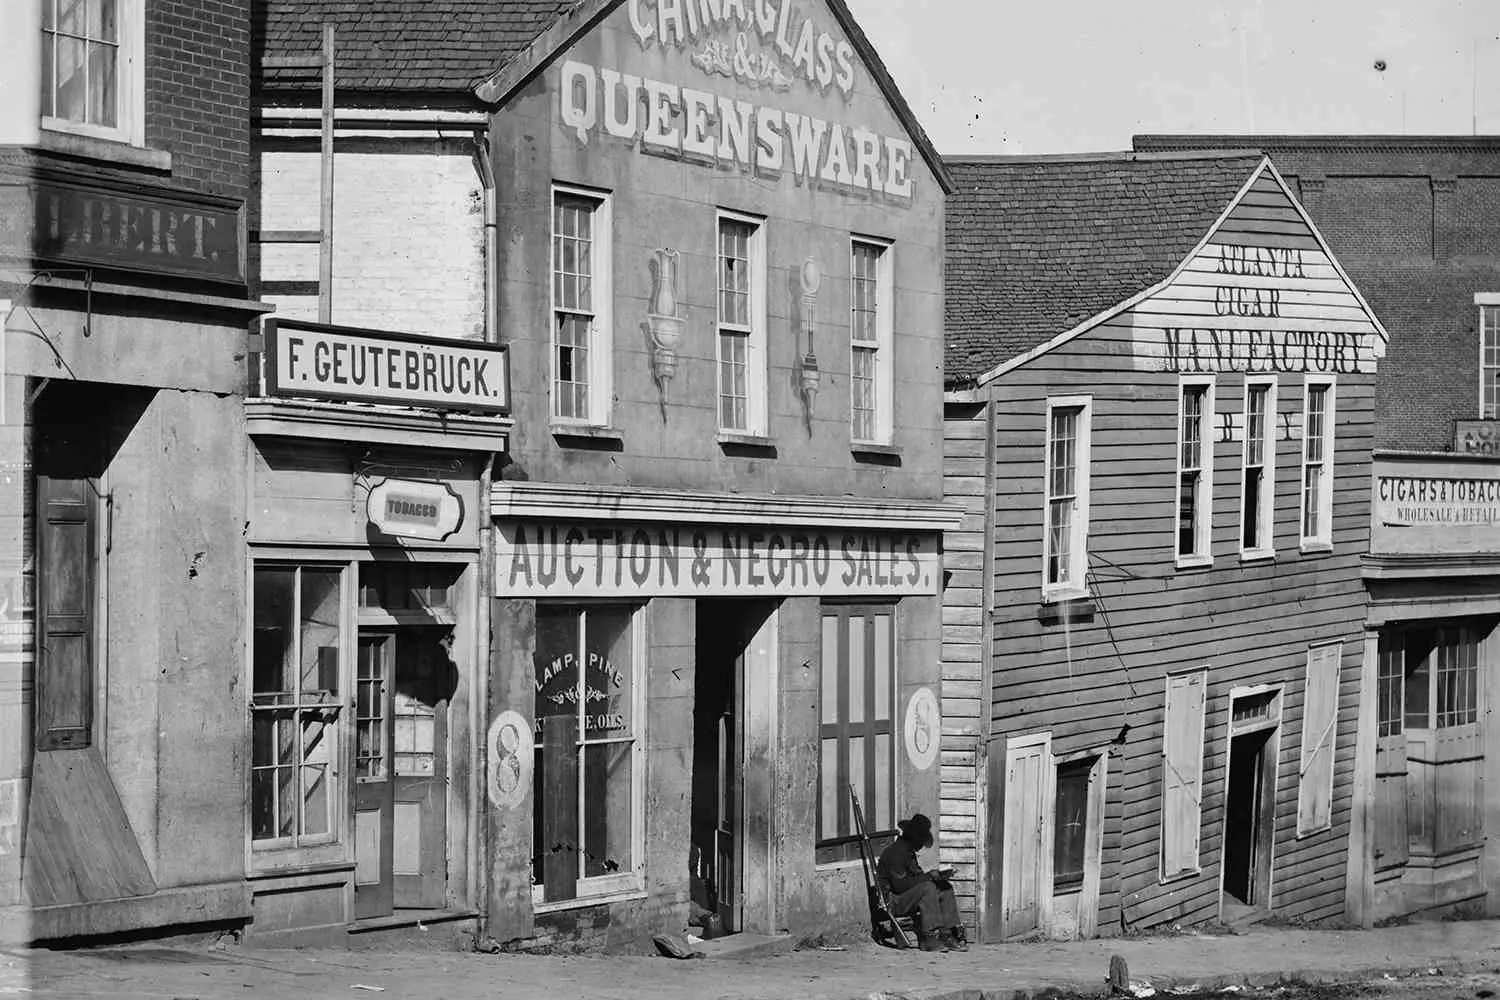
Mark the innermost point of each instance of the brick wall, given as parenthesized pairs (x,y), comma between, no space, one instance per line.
(198,90)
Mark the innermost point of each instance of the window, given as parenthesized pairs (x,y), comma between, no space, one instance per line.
(742,324)
(1489,362)
(1390,685)
(1182,774)
(90,81)
(581,338)
(871,342)
(1438,677)
(856,704)
(1317,463)
(586,817)
(1320,713)
(1258,478)
(1195,472)
(295,705)
(1070,825)
(1065,540)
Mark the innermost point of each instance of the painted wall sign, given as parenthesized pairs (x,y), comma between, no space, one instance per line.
(1285,426)
(166,233)
(580,560)
(1253,351)
(510,754)
(406,508)
(923,728)
(1477,437)
(333,362)
(604,692)
(1404,501)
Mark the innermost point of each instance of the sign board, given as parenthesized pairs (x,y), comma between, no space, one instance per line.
(1417,499)
(371,366)
(1477,437)
(406,508)
(140,230)
(549,559)
(1435,505)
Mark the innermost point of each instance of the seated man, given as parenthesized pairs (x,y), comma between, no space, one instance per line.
(927,895)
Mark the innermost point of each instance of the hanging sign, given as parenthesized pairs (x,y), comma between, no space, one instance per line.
(406,508)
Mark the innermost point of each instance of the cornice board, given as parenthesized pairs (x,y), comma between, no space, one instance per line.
(560,501)
(342,422)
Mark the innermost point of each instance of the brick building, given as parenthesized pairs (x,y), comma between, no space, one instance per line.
(124,307)
(1415,219)
(709,244)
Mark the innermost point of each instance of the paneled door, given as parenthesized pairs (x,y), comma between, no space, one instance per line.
(419,813)
(374,804)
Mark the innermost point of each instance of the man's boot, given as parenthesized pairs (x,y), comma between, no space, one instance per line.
(928,940)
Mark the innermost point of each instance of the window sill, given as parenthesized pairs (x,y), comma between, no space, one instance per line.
(587,435)
(1183,876)
(881,454)
(579,902)
(1195,562)
(1311,547)
(745,440)
(1258,556)
(1058,609)
(108,150)
(1303,834)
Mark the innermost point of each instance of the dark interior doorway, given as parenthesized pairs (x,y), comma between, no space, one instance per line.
(1248,815)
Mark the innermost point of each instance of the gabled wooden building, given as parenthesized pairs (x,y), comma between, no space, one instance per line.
(1159,404)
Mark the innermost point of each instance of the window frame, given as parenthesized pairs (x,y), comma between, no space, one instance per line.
(1076,583)
(845,845)
(754,332)
(600,364)
(336,843)
(1489,388)
(1322,540)
(130,81)
(1266,523)
(1203,526)
(883,414)
(590,890)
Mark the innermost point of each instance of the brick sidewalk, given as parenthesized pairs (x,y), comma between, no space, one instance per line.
(866,972)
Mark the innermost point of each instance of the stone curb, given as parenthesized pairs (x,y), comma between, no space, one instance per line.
(1165,985)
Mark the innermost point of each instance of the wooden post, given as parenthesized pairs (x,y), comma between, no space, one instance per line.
(325,250)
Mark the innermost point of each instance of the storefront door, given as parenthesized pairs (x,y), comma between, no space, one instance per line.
(400,803)
(718,759)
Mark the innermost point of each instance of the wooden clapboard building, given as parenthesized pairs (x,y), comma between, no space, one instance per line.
(1160,388)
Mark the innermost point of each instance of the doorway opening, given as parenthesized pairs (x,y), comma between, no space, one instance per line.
(1250,804)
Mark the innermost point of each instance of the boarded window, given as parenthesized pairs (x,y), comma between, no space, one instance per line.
(1320,712)
(857,744)
(1182,773)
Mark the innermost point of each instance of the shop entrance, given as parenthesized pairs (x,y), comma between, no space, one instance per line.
(726,631)
(1250,802)
(404,682)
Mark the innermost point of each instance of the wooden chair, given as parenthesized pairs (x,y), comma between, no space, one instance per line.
(885,927)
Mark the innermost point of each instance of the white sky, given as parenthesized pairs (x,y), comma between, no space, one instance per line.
(1054,76)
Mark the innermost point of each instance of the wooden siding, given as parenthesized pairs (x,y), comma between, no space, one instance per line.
(965,457)
(1097,682)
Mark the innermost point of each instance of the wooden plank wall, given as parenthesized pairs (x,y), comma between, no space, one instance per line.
(965,429)
(1088,681)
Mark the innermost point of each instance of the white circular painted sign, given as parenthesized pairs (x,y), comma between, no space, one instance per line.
(924,728)
(510,759)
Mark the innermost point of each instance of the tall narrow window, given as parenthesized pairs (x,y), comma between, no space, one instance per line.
(1065,539)
(1195,473)
(1070,825)
(742,325)
(580,305)
(1317,463)
(1489,362)
(295,705)
(88,66)
(1258,481)
(587,779)
(870,342)
(857,733)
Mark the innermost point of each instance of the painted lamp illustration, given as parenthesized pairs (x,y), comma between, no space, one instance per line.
(809,278)
(662,320)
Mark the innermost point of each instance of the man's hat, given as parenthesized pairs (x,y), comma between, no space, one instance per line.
(918,829)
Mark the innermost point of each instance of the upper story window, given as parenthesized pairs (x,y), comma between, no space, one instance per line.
(1489,362)
(1065,541)
(90,68)
(581,294)
(1195,472)
(1317,462)
(742,324)
(871,346)
(1258,478)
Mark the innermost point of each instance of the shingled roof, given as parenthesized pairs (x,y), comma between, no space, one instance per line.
(431,47)
(1038,245)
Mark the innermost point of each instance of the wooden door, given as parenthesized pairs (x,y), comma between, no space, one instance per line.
(373,800)
(419,814)
(726,830)
(1390,801)
(1026,885)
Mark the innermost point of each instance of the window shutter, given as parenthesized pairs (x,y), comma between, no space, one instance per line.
(65,605)
(1182,773)
(1320,713)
